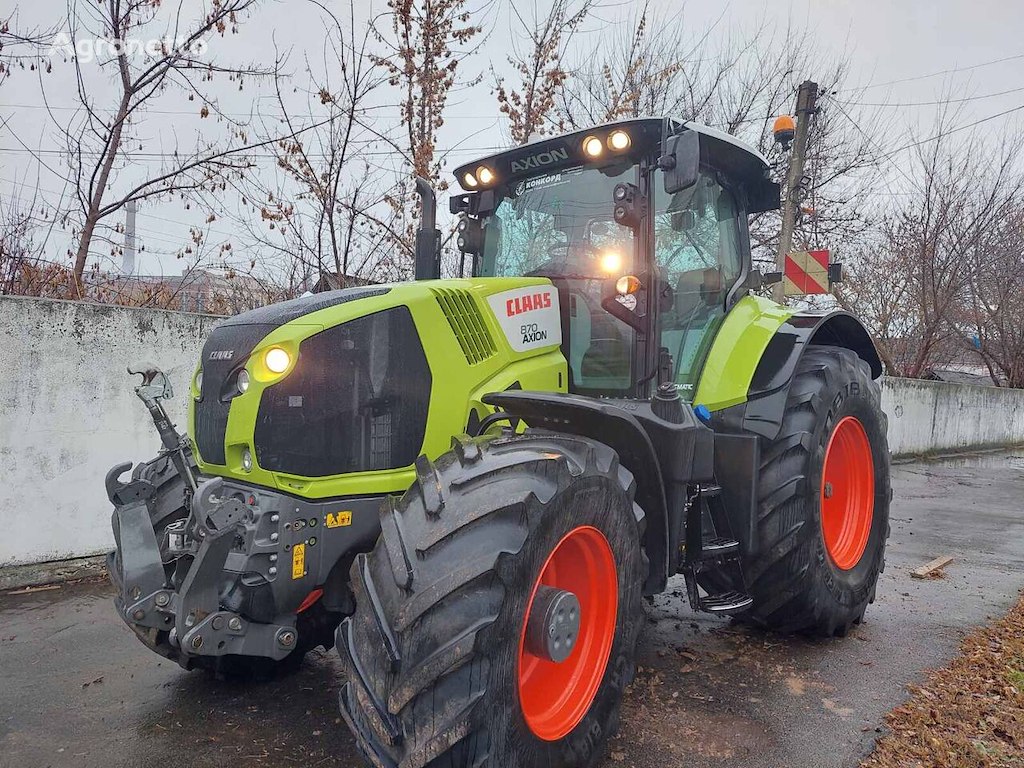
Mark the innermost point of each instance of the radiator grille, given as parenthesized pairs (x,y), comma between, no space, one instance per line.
(467,323)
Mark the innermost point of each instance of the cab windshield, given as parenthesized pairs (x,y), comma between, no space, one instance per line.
(562,226)
(559,225)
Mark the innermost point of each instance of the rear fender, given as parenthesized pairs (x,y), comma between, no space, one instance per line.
(762,412)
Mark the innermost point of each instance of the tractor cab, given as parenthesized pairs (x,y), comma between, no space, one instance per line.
(642,227)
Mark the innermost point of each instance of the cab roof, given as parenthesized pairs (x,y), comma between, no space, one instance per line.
(741,162)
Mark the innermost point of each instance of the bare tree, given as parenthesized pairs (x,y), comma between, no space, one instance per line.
(23,269)
(98,139)
(428,42)
(529,105)
(996,310)
(21,49)
(323,211)
(934,251)
(423,52)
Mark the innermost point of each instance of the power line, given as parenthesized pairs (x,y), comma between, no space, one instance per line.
(874,143)
(241,153)
(943,134)
(934,74)
(195,112)
(937,102)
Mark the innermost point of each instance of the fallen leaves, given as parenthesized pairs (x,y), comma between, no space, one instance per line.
(968,715)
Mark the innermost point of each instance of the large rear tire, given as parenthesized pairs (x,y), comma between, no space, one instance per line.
(441,672)
(824,501)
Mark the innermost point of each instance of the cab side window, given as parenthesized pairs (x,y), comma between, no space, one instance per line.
(698,250)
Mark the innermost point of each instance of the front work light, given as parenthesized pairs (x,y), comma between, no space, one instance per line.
(247,460)
(618,141)
(277,360)
(242,381)
(592,146)
(484,174)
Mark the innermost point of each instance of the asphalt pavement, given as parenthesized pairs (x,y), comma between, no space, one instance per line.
(77,688)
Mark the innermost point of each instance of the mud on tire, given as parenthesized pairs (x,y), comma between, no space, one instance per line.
(795,584)
(431,650)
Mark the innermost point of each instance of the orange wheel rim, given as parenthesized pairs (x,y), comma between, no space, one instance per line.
(847,493)
(554,697)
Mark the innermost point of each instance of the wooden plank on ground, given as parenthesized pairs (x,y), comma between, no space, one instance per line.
(932,567)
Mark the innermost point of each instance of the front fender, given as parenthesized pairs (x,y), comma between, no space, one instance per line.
(769,386)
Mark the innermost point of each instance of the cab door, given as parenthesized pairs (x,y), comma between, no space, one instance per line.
(699,252)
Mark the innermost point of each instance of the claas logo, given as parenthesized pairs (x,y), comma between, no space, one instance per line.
(528,303)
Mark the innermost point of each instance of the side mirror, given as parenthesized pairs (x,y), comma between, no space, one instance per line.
(680,160)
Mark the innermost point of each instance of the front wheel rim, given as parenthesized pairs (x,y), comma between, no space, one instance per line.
(555,697)
(847,493)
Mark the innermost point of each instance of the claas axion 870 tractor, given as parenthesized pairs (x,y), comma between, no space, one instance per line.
(469,485)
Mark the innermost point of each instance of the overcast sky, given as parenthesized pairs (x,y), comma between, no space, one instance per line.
(884,41)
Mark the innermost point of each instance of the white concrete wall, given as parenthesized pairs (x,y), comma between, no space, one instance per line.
(68,413)
(934,417)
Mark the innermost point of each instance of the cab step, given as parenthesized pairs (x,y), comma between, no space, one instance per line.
(719,548)
(726,602)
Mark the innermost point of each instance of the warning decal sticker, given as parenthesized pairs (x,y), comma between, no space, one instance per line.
(528,316)
(298,561)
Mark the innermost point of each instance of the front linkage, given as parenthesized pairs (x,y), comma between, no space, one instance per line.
(206,580)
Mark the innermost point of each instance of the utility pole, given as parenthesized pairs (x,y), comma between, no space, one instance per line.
(806,106)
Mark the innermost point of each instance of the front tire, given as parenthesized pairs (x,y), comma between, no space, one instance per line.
(440,671)
(824,501)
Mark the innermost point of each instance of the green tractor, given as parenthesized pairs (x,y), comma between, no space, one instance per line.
(469,485)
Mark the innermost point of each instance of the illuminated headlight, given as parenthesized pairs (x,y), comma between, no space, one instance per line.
(469,180)
(277,360)
(247,460)
(618,140)
(242,380)
(484,174)
(592,146)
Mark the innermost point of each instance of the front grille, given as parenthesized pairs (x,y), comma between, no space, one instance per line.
(211,411)
(356,400)
(467,323)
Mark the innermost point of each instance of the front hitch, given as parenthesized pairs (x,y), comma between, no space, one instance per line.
(154,388)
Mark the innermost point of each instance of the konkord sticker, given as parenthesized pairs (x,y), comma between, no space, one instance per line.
(528,316)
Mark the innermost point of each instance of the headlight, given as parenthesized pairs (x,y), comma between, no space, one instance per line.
(277,360)
(592,146)
(242,380)
(199,382)
(246,460)
(484,174)
(618,140)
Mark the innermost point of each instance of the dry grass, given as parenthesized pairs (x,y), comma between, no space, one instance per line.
(968,715)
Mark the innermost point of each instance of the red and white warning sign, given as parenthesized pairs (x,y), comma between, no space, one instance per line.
(528,316)
(806,272)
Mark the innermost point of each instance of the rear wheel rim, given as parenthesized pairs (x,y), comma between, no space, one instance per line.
(847,493)
(554,698)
